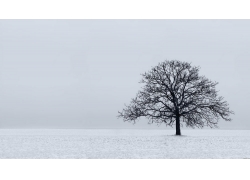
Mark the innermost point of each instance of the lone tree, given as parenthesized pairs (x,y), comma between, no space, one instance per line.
(175,94)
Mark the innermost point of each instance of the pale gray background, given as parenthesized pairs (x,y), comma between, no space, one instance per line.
(79,73)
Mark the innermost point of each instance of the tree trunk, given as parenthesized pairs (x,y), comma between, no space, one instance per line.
(178,128)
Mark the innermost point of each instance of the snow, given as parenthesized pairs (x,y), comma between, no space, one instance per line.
(123,143)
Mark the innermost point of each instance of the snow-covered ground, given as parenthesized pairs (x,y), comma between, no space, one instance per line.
(102,143)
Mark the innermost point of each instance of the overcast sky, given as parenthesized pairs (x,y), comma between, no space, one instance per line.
(79,73)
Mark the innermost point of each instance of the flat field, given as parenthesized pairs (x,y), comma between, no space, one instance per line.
(123,144)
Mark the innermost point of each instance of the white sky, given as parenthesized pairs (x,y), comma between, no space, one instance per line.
(79,73)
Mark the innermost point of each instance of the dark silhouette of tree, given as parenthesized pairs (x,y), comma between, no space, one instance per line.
(175,94)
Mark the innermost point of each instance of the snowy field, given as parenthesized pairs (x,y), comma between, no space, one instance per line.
(113,144)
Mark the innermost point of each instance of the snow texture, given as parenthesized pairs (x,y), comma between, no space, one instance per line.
(120,144)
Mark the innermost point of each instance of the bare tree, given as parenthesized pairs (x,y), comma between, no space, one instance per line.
(175,94)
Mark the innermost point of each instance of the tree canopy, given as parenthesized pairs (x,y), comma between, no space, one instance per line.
(175,94)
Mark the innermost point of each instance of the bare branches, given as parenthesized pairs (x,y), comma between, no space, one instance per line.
(174,90)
